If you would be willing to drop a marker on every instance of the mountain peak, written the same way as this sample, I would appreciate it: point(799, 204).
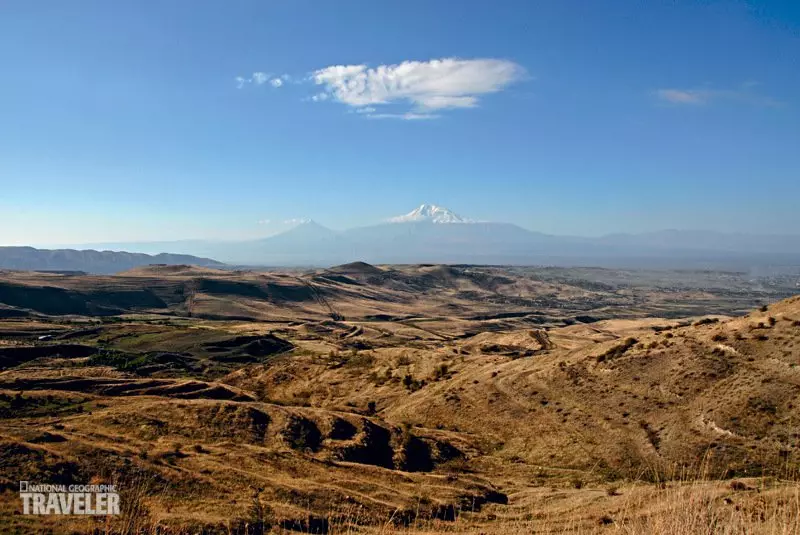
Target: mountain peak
point(430, 213)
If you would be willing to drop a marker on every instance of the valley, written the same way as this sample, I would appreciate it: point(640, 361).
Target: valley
point(404, 398)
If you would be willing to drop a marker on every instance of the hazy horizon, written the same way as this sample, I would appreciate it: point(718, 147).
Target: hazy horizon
point(280, 227)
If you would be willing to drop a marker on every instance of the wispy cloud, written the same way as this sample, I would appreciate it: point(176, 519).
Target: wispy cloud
point(423, 86)
point(261, 78)
point(278, 224)
point(408, 116)
point(682, 96)
point(702, 96)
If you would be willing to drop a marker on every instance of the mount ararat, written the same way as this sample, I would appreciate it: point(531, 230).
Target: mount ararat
point(434, 234)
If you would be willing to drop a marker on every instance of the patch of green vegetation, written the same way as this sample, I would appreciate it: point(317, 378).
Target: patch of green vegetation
point(21, 406)
point(119, 360)
point(172, 364)
point(134, 339)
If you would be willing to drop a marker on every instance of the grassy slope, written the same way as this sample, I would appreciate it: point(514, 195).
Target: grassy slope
point(586, 412)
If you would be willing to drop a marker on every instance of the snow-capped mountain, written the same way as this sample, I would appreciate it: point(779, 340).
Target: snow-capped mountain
point(433, 234)
point(430, 213)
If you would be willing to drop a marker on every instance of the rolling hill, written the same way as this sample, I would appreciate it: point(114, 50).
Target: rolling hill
point(89, 261)
point(413, 399)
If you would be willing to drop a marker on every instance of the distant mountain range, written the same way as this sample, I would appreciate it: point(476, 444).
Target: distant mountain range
point(90, 261)
point(434, 234)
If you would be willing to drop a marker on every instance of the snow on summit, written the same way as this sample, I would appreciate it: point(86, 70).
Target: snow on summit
point(430, 213)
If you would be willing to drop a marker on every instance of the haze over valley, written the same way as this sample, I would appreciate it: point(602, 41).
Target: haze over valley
point(434, 234)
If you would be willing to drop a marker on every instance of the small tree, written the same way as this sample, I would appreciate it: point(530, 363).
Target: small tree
point(440, 372)
point(259, 519)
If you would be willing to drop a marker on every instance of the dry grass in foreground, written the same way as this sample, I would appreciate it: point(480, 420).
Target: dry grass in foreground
point(718, 508)
point(734, 507)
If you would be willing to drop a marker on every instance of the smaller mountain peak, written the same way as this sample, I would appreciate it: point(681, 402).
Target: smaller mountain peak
point(430, 213)
point(305, 224)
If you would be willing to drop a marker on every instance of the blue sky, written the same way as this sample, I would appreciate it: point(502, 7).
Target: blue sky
point(156, 120)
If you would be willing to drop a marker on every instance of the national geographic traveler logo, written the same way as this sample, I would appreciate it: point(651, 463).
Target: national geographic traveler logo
point(46, 499)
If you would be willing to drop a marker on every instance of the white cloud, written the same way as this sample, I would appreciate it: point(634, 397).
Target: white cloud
point(296, 221)
point(705, 96)
point(319, 97)
point(276, 82)
point(264, 221)
point(439, 102)
point(426, 85)
point(260, 78)
point(679, 96)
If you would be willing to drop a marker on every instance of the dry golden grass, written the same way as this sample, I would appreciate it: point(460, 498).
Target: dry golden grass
point(401, 409)
point(681, 508)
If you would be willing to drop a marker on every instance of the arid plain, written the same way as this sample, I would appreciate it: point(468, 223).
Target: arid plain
point(419, 399)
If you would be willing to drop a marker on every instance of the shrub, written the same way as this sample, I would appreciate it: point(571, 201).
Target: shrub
point(706, 321)
point(440, 372)
point(360, 360)
point(618, 350)
point(412, 384)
